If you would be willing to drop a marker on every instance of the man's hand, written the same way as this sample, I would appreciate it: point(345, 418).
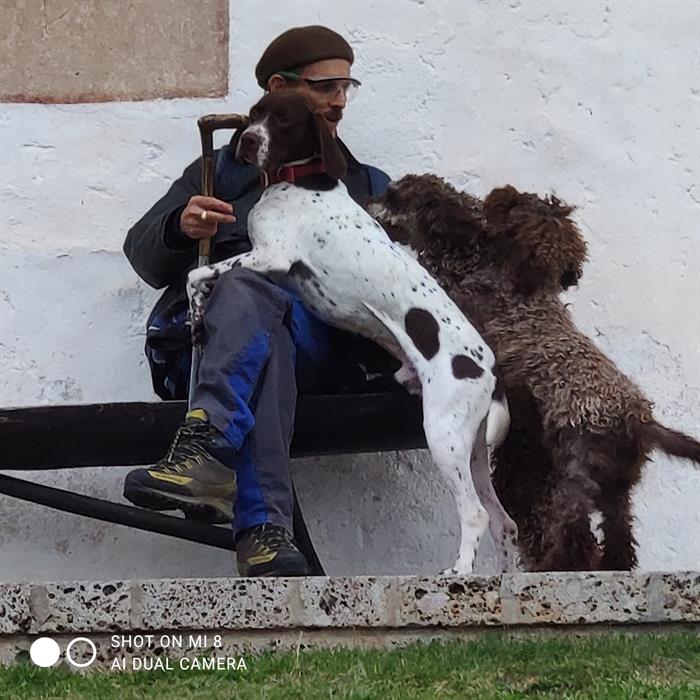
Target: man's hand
point(202, 216)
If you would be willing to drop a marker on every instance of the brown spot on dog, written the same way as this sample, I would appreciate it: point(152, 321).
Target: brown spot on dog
point(423, 330)
point(464, 367)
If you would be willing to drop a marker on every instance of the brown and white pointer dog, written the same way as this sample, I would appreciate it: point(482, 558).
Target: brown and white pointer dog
point(352, 276)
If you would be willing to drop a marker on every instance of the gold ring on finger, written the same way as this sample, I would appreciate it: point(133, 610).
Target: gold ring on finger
point(203, 215)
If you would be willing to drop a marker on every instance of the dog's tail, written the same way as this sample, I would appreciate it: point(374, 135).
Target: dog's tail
point(672, 442)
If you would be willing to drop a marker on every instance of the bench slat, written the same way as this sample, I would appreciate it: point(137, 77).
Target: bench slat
point(128, 434)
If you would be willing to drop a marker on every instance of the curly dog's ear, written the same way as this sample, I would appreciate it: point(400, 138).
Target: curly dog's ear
point(536, 239)
point(456, 219)
point(498, 206)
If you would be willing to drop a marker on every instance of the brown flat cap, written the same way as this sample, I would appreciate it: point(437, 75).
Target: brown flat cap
point(299, 47)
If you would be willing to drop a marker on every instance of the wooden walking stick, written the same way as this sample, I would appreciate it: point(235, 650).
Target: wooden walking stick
point(207, 126)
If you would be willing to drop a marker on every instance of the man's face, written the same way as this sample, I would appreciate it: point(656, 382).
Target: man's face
point(327, 99)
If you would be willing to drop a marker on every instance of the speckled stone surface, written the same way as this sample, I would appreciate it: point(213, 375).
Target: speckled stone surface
point(221, 603)
point(449, 601)
point(15, 611)
point(130, 621)
point(69, 607)
point(363, 601)
point(353, 602)
point(579, 598)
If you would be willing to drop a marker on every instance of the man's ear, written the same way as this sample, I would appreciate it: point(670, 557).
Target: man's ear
point(331, 155)
point(276, 82)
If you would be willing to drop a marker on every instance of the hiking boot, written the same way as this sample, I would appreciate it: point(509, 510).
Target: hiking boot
point(268, 550)
point(191, 477)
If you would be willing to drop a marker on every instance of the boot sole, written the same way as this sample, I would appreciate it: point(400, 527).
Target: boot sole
point(278, 574)
point(214, 511)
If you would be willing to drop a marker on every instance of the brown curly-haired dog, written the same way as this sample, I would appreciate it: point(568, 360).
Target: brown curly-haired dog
point(581, 431)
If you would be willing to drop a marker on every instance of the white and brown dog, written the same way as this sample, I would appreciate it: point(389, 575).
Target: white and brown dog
point(349, 274)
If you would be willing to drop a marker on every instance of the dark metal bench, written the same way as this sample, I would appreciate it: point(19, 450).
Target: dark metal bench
point(130, 434)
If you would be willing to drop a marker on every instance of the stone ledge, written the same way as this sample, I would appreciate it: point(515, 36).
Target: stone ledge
point(369, 603)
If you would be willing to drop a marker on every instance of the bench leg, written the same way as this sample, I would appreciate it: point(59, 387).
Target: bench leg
point(117, 513)
point(142, 519)
point(303, 540)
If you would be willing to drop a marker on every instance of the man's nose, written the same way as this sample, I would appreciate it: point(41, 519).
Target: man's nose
point(339, 100)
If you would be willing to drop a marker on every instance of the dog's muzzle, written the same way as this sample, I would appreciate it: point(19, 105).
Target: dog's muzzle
point(248, 147)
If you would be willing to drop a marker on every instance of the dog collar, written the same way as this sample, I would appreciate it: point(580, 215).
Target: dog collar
point(291, 173)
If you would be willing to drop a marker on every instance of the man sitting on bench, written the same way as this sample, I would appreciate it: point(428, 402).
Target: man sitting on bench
point(262, 344)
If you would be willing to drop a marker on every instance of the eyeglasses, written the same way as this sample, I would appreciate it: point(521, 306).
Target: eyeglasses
point(327, 86)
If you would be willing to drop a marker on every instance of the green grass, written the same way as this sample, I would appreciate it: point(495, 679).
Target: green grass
point(600, 666)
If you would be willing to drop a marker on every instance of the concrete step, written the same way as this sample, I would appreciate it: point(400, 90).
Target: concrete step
point(227, 617)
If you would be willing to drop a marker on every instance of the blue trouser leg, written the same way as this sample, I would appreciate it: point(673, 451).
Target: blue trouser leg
point(247, 385)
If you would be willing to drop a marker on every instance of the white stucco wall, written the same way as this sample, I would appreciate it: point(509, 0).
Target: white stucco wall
point(597, 101)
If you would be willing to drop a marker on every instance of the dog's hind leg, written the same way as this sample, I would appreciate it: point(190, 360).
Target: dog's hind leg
point(503, 529)
point(619, 552)
point(619, 462)
point(567, 537)
point(452, 412)
point(451, 448)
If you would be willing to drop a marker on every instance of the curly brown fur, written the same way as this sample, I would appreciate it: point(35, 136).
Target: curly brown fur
point(581, 431)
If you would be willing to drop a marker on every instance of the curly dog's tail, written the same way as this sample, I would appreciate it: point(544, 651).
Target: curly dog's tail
point(672, 442)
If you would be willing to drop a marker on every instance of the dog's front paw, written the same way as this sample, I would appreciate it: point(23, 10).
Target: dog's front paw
point(195, 321)
point(200, 281)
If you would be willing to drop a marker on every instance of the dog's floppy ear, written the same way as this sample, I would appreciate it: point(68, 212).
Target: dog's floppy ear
point(331, 155)
point(239, 130)
point(456, 218)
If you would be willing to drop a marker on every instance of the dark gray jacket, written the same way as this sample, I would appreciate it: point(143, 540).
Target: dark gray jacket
point(162, 255)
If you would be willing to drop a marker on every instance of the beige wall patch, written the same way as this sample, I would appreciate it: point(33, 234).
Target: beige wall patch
point(67, 51)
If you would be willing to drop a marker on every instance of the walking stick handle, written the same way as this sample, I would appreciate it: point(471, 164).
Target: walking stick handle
point(208, 124)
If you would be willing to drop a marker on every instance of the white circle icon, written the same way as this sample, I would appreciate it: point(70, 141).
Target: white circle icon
point(78, 664)
point(44, 652)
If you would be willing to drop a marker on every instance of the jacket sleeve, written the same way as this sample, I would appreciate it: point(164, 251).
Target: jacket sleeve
point(378, 181)
point(156, 247)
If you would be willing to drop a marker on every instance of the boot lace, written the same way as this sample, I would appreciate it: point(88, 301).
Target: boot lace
point(189, 447)
point(273, 536)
